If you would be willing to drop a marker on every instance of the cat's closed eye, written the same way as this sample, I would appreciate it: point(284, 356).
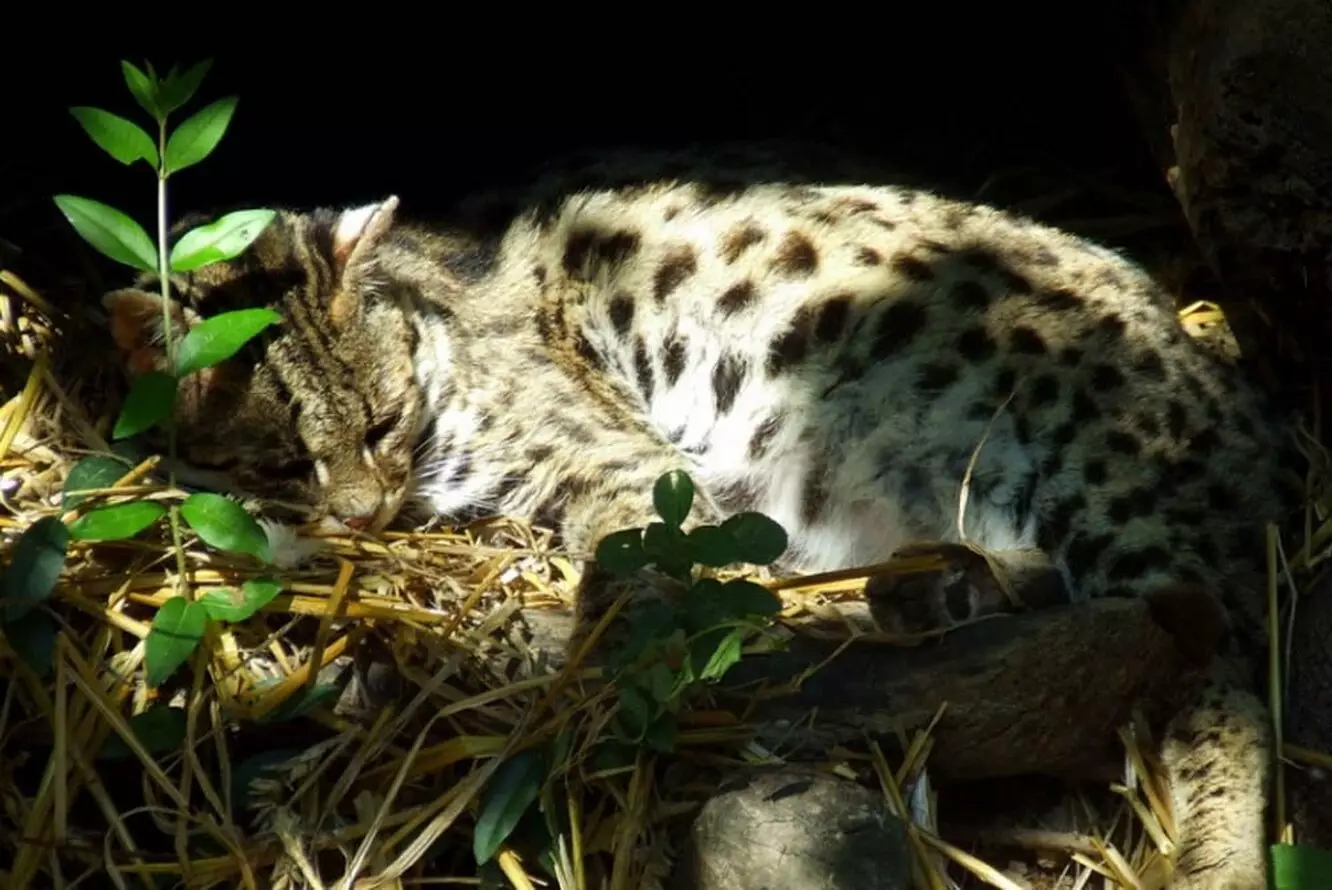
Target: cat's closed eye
point(296, 469)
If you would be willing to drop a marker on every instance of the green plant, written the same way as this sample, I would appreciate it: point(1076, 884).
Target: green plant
point(669, 650)
point(39, 555)
point(673, 647)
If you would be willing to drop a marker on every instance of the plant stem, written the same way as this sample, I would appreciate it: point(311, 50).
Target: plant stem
point(163, 275)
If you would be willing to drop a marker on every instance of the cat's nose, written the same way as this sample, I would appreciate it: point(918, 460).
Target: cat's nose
point(357, 523)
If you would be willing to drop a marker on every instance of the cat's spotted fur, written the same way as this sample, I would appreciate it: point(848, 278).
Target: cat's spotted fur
point(829, 355)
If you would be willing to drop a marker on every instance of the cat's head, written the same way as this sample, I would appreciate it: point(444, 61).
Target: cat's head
point(321, 411)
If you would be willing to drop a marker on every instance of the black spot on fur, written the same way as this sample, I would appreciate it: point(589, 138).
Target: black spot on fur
point(936, 376)
point(674, 359)
point(1064, 435)
point(1122, 442)
point(737, 297)
point(813, 495)
point(1095, 472)
point(969, 295)
point(587, 352)
point(1027, 341)
point(643, 368)
point(1059, 301)
point(1070, 356)
point(1177, 418)
point(588, 248)
point(1136, 563)
point(622, 312)
point(1056, 526)
point(739, 239)
point(1015, 283)
point(727, 377)
point(1003, 384)
point(1112, 326)
point(1085, 408)
point(867, 256)
point(975, 344)
point(763, 436)
point(1106, 377)
point(898, 326)
point(1139, 502)
point(1084, 551)
point(832, 318)
point(680, 263)
point(912, 268)
point(796, 256)
point(788, 349)
point(1149, 364)
point(1044, 391)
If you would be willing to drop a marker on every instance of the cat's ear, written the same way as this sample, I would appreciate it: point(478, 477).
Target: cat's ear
point(358, 233)
point(136, 327)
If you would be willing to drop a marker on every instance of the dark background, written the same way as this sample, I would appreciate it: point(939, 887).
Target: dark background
point(950, 91)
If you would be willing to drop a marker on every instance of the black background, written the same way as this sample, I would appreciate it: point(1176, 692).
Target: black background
point(947, 90)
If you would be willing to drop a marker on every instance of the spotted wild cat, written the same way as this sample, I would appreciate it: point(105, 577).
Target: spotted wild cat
point(828, 354)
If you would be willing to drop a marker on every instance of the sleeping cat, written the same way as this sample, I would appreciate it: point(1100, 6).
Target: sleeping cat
point(831, 355)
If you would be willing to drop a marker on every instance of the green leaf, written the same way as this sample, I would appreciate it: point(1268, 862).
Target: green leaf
point(660, 683)
point(35, 567)
point(759, 540)
point(177, 89)
point(713, 546)
point(636, 709)
point(151, 397)
point(224, 524)
point(234, 606)
point(33, 639)
point(158, 729)
point(612, 754)
point(111, 232)
point(89, 474)
point(745, 599)
point(725, 656)
point(622, 552)
point(661, 733)
point(1300, 867)
point(199, 134)
point(711, 604)
point(514, 787)
point(218, 338)
point(123, 140)
point(673, 496)
point(220, 240)
point(177, 630)
point(116, 523)
point(142, 88)
point(662, 541)
point(651, 624)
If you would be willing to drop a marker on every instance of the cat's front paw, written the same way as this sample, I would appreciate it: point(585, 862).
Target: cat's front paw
point(955, 584)
point(600, 591)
